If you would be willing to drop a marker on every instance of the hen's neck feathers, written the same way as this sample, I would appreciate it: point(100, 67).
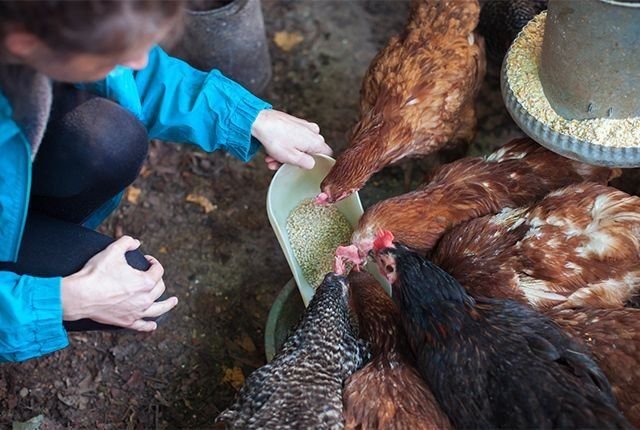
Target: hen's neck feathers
point(432, 297)
point(327, 311)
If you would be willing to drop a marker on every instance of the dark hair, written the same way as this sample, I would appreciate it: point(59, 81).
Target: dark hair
point(89, 26)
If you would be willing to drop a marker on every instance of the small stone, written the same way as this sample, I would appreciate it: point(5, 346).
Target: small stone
point(24, 392)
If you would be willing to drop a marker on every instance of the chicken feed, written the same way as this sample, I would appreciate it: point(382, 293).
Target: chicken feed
point(314, 233)
point(523, 61)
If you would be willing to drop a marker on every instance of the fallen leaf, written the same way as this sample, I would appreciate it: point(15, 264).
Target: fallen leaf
point(74, 401)
point(133, 194)
point(145, 171)
point(287, 40)
point(136, 380)
point(86, 385)
point(163, 250)
point(233, 376)
point(247, 344)
point(204, 202)
point(33, 424)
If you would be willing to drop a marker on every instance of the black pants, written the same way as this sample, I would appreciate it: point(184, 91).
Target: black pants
point(91, 151)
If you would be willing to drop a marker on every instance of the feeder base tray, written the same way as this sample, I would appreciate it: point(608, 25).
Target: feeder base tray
point(563, 144)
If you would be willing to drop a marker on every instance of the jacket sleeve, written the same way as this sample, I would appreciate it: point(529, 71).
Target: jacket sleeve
point(30, 317)
point(181, 104)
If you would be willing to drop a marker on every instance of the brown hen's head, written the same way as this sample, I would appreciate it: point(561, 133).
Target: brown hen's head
point(418, 229)
point(347, 176)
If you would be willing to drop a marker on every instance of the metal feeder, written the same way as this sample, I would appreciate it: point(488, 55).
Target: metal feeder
point(589, 68)
point(590, 64)
point(230, 38)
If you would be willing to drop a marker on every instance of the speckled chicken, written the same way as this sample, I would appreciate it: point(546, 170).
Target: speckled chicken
point(493, 363)
point(517, 174)
point(387, 393)
point(613, 339)
point(302, 387)
point(417, 96)
point(502, 20)
point(579, 246)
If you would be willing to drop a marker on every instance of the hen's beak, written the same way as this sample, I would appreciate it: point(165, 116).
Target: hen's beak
point(323, 199)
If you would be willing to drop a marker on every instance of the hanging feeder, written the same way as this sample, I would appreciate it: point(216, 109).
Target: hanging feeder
point(571, 80)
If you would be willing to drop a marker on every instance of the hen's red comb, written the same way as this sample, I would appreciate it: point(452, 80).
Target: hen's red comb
point(384, 239)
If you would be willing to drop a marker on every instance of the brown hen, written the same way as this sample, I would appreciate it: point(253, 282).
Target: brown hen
point(517, 174)
point(579, 246)
point(388, 393)
point(613, 338)
point(417, 96)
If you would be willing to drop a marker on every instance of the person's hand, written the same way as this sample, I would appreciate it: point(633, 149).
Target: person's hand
point(109, 291)
point(288, 139)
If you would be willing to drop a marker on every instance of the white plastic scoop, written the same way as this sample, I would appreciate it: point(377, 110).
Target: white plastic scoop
point(289, 186)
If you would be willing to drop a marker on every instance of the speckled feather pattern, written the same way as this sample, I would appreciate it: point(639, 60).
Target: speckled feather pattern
point(302, 387)
point(613, 339)
point(496, 363)
point(517, 174)
point(579, 246)
point(418, 93)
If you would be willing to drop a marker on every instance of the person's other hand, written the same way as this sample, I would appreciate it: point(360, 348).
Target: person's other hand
point(288, 139)
point(109, 291)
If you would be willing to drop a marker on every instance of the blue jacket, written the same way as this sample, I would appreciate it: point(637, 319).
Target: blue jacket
point(176, 103)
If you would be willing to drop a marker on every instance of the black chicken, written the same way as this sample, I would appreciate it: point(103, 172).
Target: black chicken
point(493, 363)
point(502, 20)
point(302, 387)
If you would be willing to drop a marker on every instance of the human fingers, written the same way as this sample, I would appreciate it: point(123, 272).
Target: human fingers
point(124, 244)
point(160, 308)
point(155, 271)
point(310, 125)
point(315, 144)
point(157, 291)
point(142, 325)
point(273, 165)
point(303, 160)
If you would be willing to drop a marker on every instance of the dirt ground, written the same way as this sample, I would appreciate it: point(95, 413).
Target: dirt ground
point(225, 264)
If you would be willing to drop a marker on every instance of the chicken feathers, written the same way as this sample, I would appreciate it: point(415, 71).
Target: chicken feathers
point(388, 393)
point(495, 363)
point(579, 246)
point(517, 174)
point(417, 96)
point(613, 339)
point(302, 386)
